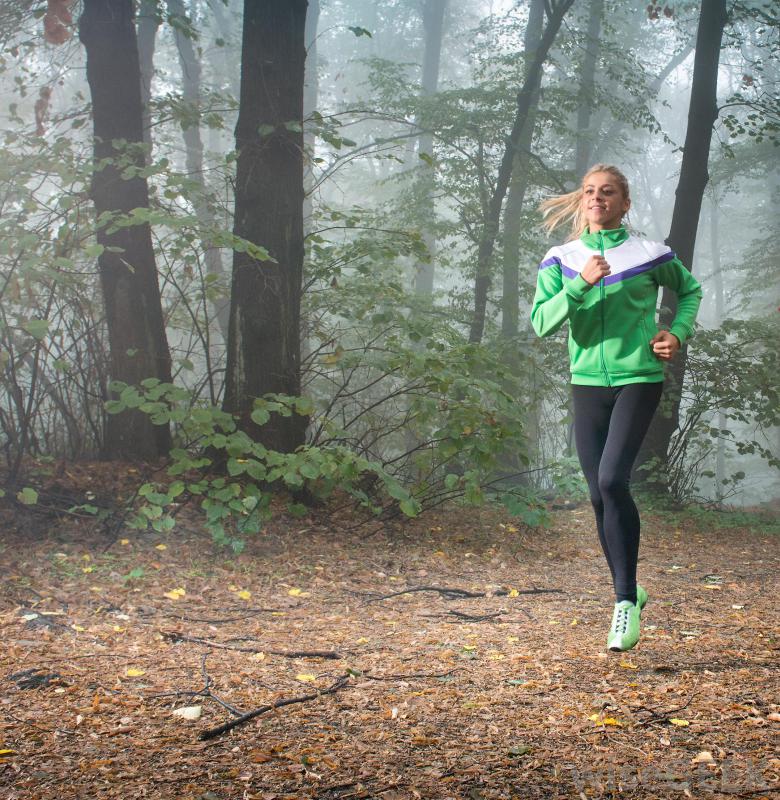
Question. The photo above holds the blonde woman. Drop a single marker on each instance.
(604, 281)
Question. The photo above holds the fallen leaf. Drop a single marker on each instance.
(305, 677)
(133, 672)
(513, 593)
(682, 723)
(244, 594)
(296, 592)
(124, 541)
(704, 757)
(175, 594)
(161, 547)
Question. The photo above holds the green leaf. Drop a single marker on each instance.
(37, 328)
(27, 496)
(358, 31)
(260, 416)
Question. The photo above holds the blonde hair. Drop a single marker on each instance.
(568, 207)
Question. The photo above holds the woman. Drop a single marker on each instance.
(605, 281)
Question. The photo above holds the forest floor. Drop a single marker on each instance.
(419, 689)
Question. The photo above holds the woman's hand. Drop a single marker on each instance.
(665, 345)
(595, 269)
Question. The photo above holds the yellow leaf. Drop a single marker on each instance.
(86, 557)
(233, 588)
(574, 622)
(305, 677)
(362, 640)
(7, 752)
(124, 541)
(175, 594)
(119, 629)
(132, 672)
(554, 622)
(710, 586)
(511, 529)
(469, 647)
(606, 721)
(78, 628)
(244, 594)
(512, 639)
(628, 665)
(258, 657)
(513, 593)
(295, 592)
(161, 547)
(88, 569)
(682, 723)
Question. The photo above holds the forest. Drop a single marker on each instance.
(270, 395)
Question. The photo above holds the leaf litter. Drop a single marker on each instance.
(438, 658)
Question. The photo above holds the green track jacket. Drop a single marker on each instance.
(611, 324)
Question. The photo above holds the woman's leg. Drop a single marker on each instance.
(631, 415)
(592, 412)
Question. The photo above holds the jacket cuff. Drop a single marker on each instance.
(578, 287)
(681, 332)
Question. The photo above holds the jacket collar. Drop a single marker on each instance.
(605, 239)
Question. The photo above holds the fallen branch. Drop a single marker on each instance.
(452, 593)
(210, 733)
(177, 637)
(204, 692)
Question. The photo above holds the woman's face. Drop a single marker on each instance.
(603, 201)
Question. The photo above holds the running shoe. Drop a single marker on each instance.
(624, 633)
(641, 597)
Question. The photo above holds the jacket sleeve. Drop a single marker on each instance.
(554, 303)
(675, 276)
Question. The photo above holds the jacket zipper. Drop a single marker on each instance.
(602, 294)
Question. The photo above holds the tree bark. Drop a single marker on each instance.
(510, 299)
(702, 113)
(133, 307)
(264, 337)
(587, 84)
(433, 22)
(490, 227)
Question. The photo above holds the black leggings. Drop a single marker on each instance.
(610, 423)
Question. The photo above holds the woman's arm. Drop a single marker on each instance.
(674, 275)
(554, 303)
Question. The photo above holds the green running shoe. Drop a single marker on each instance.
(641, 597)
(624, 633)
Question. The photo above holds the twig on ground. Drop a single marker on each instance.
(204, 692)
(177, 637)
(453, 592)
(661, 716)
(210, 733)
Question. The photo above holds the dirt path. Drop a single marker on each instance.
(506, 695)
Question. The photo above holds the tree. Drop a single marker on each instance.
(510, 299)
(556, 12)
(694, 175)
(433, 22)
(189, 62)
(264, 338)
(128, 274)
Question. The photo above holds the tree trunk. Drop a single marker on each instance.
(510, 302)
(310, 96)
(585, 136)
(702, 113)
(717, 277)
(148, 22)
(490, 227)
(433, 22)
(193, 146)
(264, 337)
(133, 308)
